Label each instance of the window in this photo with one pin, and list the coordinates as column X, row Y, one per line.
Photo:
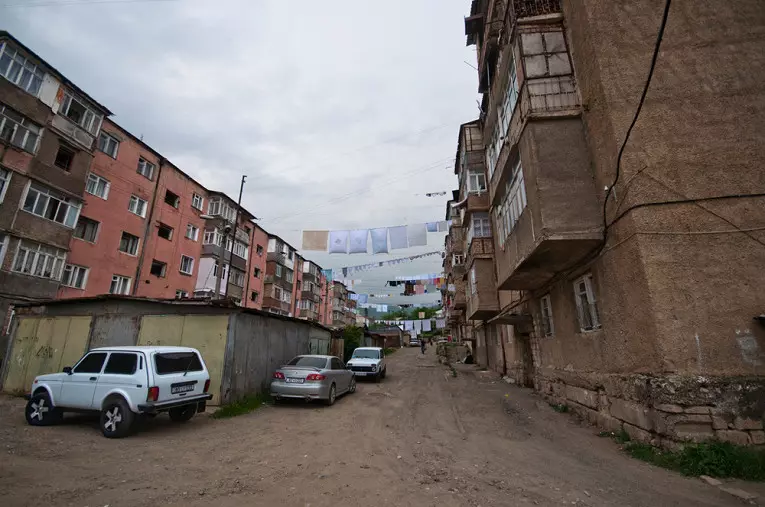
column 288, row 276
column 286, row 296
column 586, row 305
column 237, row 278
column 279, row 270
column 86, row 229
column 64, row 158
column 278, row 293
column 92, row 363
column 121, row 363
column 158, row 268
column 298, row 284
column 75, row 276
column 215, row 270
column 129, row 243
column 458, row 259
column 476, row 182
column 20, row 70
column 137, row 205
column 79, row 113
column 197, row 201
column 259, row 250
column 181, row 294
column 336, row 364
column 187, row 265
column 120, row 285
column 217, row 206
column 510, row 100
column 309, row 362
column 108, row 144
column 17, row 130
column 545, row 54
column 547, row 319
column 145, row 168
column 290, row 253
column 97, row 186
column 47, row 203
column 254, row 296
column 176, row 362
column 240, row 249
column 509, row 211
column 256, row 273
column 5, row 177
column 172, row 199
column 3, row 245
column 39, row 260
column 192, row 232
column 480, row 226
column 473, row 287
column 165, row 231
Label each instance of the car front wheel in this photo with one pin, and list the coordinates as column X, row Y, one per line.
column 182, row 414
column 41, row 412
column 116, row 418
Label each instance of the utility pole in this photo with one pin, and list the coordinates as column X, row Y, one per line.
column 236, row 224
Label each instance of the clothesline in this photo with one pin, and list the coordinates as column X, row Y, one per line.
column 357, row 241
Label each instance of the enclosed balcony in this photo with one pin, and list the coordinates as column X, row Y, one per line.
column 482, row 303
column 308, row 295
column 277, row 305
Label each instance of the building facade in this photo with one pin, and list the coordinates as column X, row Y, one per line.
column 624, row 303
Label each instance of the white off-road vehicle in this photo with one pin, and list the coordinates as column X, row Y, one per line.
column 368, row 362
column 123, row 383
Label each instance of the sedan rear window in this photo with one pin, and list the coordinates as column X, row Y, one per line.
column 311, row 362
column 177, row 362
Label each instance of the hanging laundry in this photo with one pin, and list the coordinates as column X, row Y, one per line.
column 315, row 240
column 353, row 297
column 398, row 237
column 432, row 226
column 363, row 298
column 416, row 235
column 327, row 274
column 338, row 242
column 359, row 241
column 440, row 323
column 417, row 326
column 426, row 325
column 379, row 240
column 409, row 325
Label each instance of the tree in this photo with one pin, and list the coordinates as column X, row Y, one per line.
column 352, row 336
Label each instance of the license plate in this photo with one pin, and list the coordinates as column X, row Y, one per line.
column 360, row 373
column 182, row 388
column 295, row 380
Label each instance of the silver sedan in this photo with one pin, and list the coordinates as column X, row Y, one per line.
column 312, row 378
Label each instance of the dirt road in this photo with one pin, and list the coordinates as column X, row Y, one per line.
column 420, row 438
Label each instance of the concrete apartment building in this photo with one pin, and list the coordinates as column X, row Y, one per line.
column 311, row 292
column 279, row 283
column 641, row 313
column 48, row 132
column 338, row 294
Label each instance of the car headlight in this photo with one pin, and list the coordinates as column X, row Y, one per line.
column 374, row 367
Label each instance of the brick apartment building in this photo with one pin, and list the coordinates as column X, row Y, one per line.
column 641, row 313
column 86, row 208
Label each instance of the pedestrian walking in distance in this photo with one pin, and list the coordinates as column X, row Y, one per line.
column 422, row 345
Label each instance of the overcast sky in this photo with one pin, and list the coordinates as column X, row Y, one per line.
column 338, row 112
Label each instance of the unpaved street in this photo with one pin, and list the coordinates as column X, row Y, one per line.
column 420, row 438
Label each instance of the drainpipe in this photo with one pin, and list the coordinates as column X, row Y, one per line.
column 146, row 230
column 233, row 241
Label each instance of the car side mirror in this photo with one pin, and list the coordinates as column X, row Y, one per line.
column 68, row 370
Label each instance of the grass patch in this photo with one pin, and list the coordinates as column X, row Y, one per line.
column 388, row 351
column 716, row 459
column 559, row 407
column 241, row 407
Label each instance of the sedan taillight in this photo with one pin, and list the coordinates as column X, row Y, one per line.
column 279, row 375
column 315, row 377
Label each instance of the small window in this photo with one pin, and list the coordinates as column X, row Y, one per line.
column 288, row 276
column 75, row 276
column 129, row 244
column 192, row 232
column 97, row 186
column 254, row 296
column 121, row 364
column 259, row 251
column 197, row 201
column 108, row 144
column 120, row 285
column 181, row 294
column 177, row 362
column 64, row 158
column 165, row 231
column 279, row 270
column 337, row 364
column 473, row 286
column 5, row 177
column 92, row 363
column 187, row 265
column 256, row 273
column 137, row 205
column 172, row 199
column 86, row 229
column 586, row 304
column 547, row 319
column 145, row 168
column 158, row 268
column 308, row 361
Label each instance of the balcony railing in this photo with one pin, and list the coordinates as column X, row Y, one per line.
column 479, row 248
column 528, row 8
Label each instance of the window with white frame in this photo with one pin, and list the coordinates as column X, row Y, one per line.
column 512, row 205
column 192, row 232
column 217, row 206
column 279, row 270
column 145, row 168
column 240, row 249
column 197, row 201
column 19, row 70
column 86, row 229
column 286, row 296
column 3, row 246
column 120, row 285
column 78, row 112
column 129, row 243
column 187, row 265
column 97, row 186
column 181, row 294
column 223, row 274
column 47, row 203
column 509, row 101
column 5, row 178
column 75, row 276
column 476, row 182
column 137, row 205
column 480, row 226
column 18, row 130
column 586, row 303
column 545, row 308
column 473, row 286
column 39, row 260
column 108, row 144
column 237, row 278
column 288, row 276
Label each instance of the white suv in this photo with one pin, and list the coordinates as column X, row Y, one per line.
column 122, row 383
column 368, row 362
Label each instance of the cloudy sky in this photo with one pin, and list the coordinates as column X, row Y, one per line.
column 339, row 112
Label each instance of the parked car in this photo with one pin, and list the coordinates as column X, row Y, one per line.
column 312, row 377
column 368, row 362
column 123, row 383
column 414, row 341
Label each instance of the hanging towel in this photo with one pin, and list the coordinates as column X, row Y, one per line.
column 442, row 226
column 338, row 242
column 426, row 325
column 379, row 240
column 440, row 323
column 417, row 326
column 398, row 237
column 315, row 240
column 363, row 298
column 417, row 235
column 359, row 241
column 408, row 325
column 432, row 226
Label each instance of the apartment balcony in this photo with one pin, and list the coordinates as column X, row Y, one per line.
column 310, row 296
column 279, row 281
column 460, row 301
column 277, row 257
column 271, row 303
column 338, row 322
column 482, row 299
column 310, row 277
column 477, row 202
column 479, row 248
column 309, row 314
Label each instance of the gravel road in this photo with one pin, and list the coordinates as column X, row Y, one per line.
column 421, row 437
